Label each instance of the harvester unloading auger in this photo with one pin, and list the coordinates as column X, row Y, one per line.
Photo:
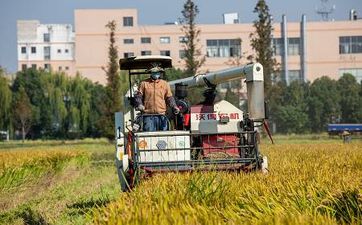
column 207, row 136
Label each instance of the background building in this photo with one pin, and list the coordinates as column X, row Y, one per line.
column 304, row 50
column 46, row 46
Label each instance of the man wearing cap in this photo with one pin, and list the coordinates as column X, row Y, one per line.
column 152, row 97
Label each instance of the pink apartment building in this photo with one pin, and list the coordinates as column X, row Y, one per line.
column 305, row 50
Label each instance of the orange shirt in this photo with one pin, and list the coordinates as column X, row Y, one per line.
column 154, row 95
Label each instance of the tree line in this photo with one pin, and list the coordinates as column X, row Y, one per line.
column 42, row 104
column 308, row 107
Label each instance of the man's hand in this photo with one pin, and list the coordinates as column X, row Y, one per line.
column 176, row 110
column 141, row 108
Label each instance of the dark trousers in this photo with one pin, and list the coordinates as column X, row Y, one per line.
column 155, row 123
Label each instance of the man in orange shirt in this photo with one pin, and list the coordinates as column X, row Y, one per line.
column 152, row 98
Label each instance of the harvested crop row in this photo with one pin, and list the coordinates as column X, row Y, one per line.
column 20, row 167
column 56, row 183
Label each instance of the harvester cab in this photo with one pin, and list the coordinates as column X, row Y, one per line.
column 207, row 136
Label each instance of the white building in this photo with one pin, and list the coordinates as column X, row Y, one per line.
column 47, row 46
column 230, row 18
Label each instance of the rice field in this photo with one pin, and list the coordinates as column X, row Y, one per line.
column 55, row 182
column 311, row 181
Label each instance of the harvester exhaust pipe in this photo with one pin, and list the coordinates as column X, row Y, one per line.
column 255, row 91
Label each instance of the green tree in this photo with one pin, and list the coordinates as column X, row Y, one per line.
column 98, row 106
column 278, row 90
column 360, row 103
column 113, row 76
column 80, row 104
column 33, row 81
column 114, row 100
column 5, row 102
column 59, row 112
column 57, row 99
column 74, row 130
column 124, row 85
column 174, row 74
column 349, row 99
column 291, row 113
column 22, row 112
column 193, row 59
column 323, row 103
column 61, row 105
column 261, row 42
column 231, row 97
column 291, row 119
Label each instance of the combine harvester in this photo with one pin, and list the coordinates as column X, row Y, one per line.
column 207, row 136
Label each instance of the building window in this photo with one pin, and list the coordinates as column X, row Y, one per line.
column 350, row 44
column 183, row 39
column 128, row 54
column 66, row 50
column 46, row 37
column 356, row 72
column 60, row 68
column 223, row 48
column 294, row 75
column 47, row 53
column 23, row 50
column 165, row 40
column 278, row 46
column 23, row 67
column 33, row 66
column 145, row 40
column 212, row 49
column 146, row 53
column 128, row 21
column 33, row 50
column 293, row 46
column 165, row 53
column 67, row 68
column 59, row 51
column 128, row 41
column 182, row 54
column 47, row 66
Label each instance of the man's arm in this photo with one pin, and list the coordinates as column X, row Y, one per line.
column 170, row 100
column 139, row 97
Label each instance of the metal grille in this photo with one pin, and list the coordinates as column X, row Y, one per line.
column 185, row 151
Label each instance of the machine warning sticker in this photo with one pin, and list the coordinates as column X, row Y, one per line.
column 161, row 144
column 181, row 144
column 142, row 144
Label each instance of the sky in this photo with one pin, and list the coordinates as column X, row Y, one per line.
column 152, row 12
